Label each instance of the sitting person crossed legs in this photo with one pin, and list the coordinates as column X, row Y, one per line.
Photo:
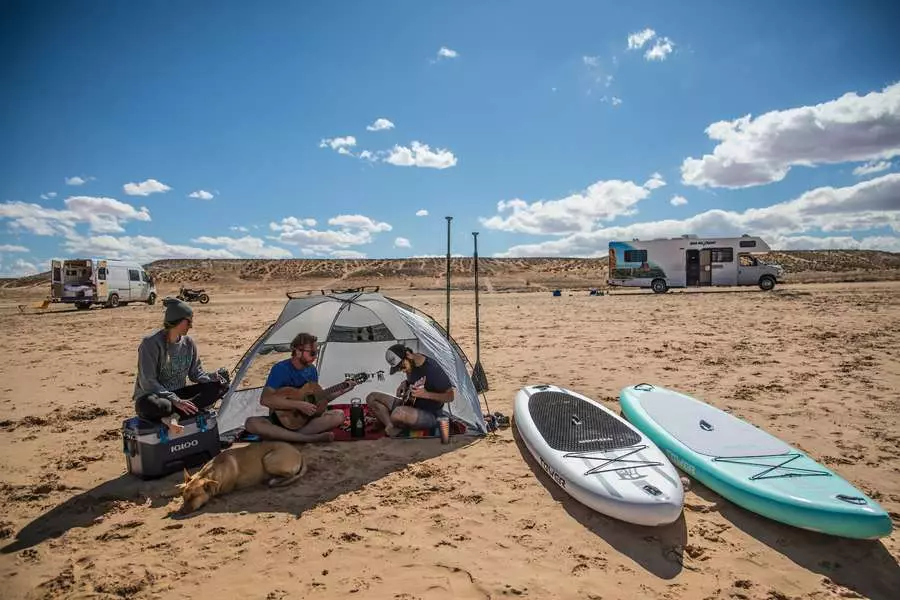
column 310, row 422
column 165, row 359
column 419, row 400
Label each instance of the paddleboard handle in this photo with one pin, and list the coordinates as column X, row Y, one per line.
column 643, row 387
column 705, row 426
column 851, row 499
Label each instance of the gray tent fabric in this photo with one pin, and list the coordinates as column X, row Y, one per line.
column 353, row 329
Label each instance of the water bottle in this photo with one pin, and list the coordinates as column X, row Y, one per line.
column 357, row 419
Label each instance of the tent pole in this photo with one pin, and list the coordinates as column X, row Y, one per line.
column 448, row 274
column 479, row 378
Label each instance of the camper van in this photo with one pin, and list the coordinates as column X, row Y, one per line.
column 84, row 282
column 691, row 261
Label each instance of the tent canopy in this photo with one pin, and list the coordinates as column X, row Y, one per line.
column 354, row 329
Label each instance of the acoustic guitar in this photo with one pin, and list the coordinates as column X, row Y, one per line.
column 313, row 393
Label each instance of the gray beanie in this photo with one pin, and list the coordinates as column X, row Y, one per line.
column 176, row 310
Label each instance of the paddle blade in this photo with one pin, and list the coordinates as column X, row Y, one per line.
column 479, row 378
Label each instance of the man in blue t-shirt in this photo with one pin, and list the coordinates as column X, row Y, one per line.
column 292, row 417
column 420, row 398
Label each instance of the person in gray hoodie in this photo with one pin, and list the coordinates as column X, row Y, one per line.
column 166, row 358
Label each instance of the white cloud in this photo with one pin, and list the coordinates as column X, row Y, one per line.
column 140, row 248
column 380, row 125
column 359, row 222
column 445, row 52
column 48, row 196
column 868, row 205
column 339, row 142
column 12, row 248
column 402, row 242
column 354, row 230
column 591, row 61
column 678, row 200
column 347, row 254
column 246, row 246
column 239, row 228
column 18, row 268
column 662, row 48
column 601, row 201
column 420, row 155
column 422, row 213
column 616, row 101
column 76, row 180
column 656, row 181
column 201, row 194
column 103, row 215
column 762, row 150
column 145, row 188
column 637, row 39
column 872, row 167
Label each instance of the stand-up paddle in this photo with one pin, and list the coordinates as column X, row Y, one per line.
column 448, row 275
column 479, row 378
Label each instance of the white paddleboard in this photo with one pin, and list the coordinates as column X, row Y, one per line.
column 597, row 457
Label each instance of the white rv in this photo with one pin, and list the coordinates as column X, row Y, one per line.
column 84, row 282
column 690, row 261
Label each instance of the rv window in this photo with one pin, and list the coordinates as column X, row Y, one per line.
column 134, row 275
column 748, row 243
column 635, row 256
column 144, row 277
column 747, row 261
column 101, row 273
column 721, row 255
column 57, row 274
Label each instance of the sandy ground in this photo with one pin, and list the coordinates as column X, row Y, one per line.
column 817, row 365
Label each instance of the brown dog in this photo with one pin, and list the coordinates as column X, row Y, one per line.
column 276, row 463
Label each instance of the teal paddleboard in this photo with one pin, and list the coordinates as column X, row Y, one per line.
column 751, row 467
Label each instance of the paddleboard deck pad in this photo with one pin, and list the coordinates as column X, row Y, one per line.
column 597, row 457
column 751, row 467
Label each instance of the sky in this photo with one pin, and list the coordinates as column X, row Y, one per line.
column 163, row 129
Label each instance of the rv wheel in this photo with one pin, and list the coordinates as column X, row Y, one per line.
column 113, row 301
column 151, row 299
column 82, row 305
column 766, row 282
column 659, row 286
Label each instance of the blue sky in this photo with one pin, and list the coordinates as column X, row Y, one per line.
column 329, row 129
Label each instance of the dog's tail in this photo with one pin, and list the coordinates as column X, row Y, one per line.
column 284, row 481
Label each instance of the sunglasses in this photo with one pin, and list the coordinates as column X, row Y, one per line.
column 311, row 351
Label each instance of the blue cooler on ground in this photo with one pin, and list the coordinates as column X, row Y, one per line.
column 150, row 451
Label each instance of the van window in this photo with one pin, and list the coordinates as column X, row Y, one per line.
column 636, row 256
column 748, row 243
column 134, row 275
column 721, row 255
column 144, row 277
column 57, row 274
column 747, row 261
column 101, row 273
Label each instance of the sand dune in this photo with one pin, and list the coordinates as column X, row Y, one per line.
column 816, row 364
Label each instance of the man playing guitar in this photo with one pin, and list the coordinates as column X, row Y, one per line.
column 420, row 398
column 291, row 382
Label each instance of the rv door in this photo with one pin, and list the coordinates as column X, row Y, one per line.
column 56, row 279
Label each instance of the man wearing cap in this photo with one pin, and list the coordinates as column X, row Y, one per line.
column 166, row 358
column 420, row 398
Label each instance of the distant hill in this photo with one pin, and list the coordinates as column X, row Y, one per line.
column 502, row 273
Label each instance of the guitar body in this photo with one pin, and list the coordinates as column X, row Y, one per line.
column 293, row 419
column 313, row 393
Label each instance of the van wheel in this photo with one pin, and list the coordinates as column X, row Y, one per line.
column 113, row 301
column 766, row 282
column 151, row 299
column 659, row 286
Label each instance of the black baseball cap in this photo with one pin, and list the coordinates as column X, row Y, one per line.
column 395, row 355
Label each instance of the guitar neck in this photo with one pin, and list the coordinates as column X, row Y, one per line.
column 335, row 388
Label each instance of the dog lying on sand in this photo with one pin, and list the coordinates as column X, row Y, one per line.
column 275, row 463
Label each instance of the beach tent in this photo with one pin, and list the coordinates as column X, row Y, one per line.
column 354, row 329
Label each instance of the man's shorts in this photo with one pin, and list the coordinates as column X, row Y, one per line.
column 424, row 419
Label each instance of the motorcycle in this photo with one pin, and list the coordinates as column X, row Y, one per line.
column 189, row 295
